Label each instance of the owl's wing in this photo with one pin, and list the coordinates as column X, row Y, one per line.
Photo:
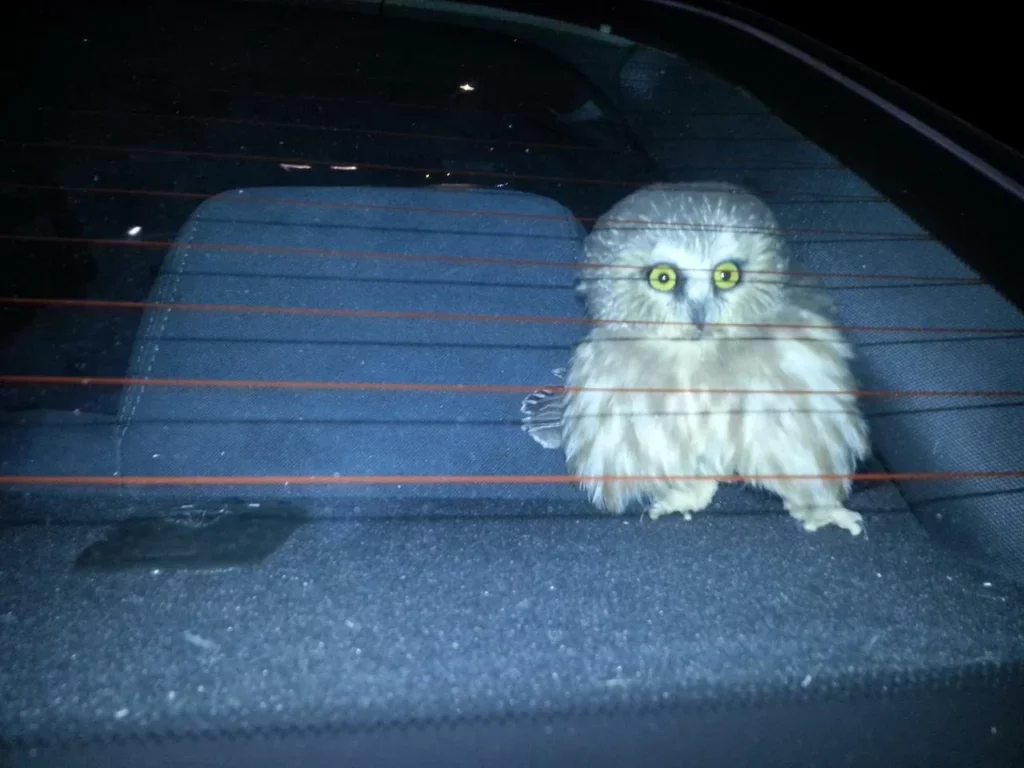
column 542, row 415
column 542, row 419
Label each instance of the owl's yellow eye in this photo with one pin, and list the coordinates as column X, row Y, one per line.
column 726, row 275
column 662, row 278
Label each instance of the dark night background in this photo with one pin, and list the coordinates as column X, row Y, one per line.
column 964, row 57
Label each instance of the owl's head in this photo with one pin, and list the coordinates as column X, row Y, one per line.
column 685, row 260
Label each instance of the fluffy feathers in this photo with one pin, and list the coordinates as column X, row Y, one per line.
column 735, row 339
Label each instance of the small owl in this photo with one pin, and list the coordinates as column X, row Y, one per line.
column 735, row 367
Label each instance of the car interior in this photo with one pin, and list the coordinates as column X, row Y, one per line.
column 279, row 276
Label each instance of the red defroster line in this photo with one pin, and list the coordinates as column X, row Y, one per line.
column 391, row 256
column 320, row 163
column 359, row 164
column 275, row 200
column 468, row 317
column 482, row 479
column 394, row 386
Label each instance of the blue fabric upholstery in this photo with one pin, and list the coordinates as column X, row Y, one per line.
column 188, row 431
column 340, row 248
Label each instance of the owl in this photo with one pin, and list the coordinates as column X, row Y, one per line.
column 705, row 359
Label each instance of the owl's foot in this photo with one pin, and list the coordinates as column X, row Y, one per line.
column 814, row 518
column 683, row 501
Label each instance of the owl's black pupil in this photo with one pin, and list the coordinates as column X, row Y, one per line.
column 725, row 275
column 663, row 277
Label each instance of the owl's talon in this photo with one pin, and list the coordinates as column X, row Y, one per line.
column 683, row 502
column 658, row 510
column 815, row 519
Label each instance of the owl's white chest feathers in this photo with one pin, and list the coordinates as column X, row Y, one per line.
column 734, row 405
column 611, row 432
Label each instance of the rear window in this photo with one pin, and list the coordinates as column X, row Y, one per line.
column 279, row 280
